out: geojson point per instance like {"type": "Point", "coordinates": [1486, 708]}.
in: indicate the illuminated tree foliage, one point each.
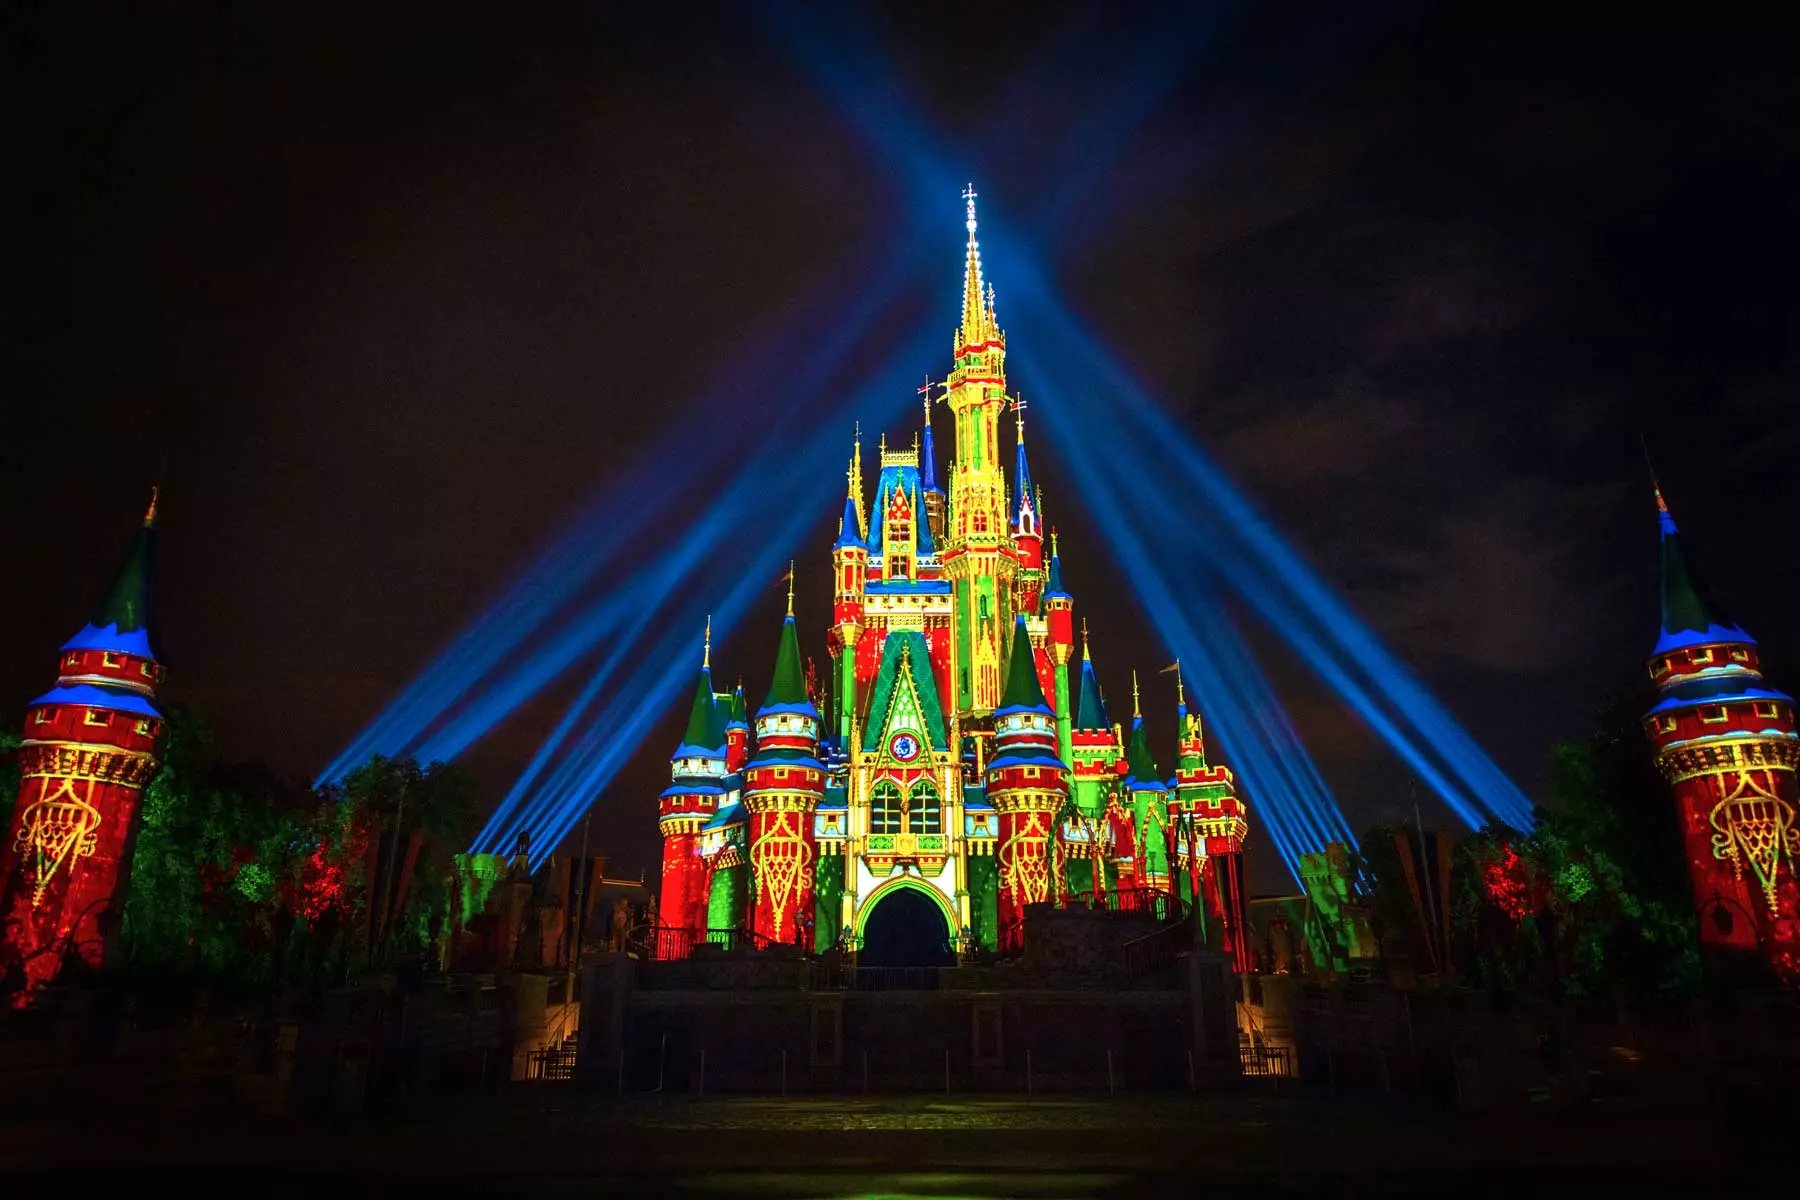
{"type": "Point", "coordinates": [242, 878]}
{"type": "Point", "coordinates": [1595, 901]}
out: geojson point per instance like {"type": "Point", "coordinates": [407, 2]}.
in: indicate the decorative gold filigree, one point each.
{"type": "Point", "coordinates": [59, 826]}
{"type": "Point", "coordinates": [1025, 860]}
{"type": "Point", "coordinates": [1752, 824]}
{"type": "Point", "coordinates": [781, 860]}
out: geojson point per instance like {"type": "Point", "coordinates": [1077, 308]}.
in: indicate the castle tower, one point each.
{"type": "Point", "coordinates": [1027, 784]}
{"type": "Point", "coordinates": [978, 555]}
{"type": "Point", "coordinates": [1726, 743]}
{"type": "Point", "coordinates": [936, 503]}
{"type": "Point", "coordinates": [850, 572]}
{"type": "Point", "coordinates": [1059, 644]}
{"type": "Point", "coordinates": [737, 733]}
{"type": "Point", "coordinates": [1208, 825]}
{"type": "Point", "coordinates": [783, 785]}
{"type": "Point", "coordinates": [691, 800]}
{"type": "Point", "coordinates": [1097, 762]}
{"type": "Point", "coordinates": [89, 749]}
{"type": "Point", "coordinates": [1027, 526]}
{"type": "Point", "coordinates": [1148, 797]}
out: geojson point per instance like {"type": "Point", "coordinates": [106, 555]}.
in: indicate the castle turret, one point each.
{"type": "Point", "coordinates": [1148, 797]}
{"type": "Point", "coordinates": [1026, 783]}
{"type": "Point", "coordinates": [89, 749]}
{"type": "Point", "coordinates": [979, 557]}
{"type": "Point", "coordinates": [1726, 742]}
{"type": "Point", "coordinates": [850, 573]}
{"type": "Point", "coordinates": [1207, 823]}
{"type": "Point", "coordinates": [1059, 645]}
{"type": "Point", "coordinates": [936, 503]}
{"type": "Point", "coordinates": [693, 797]}
{"type": "Point", "coordinates": [783, 785]}
{"type": "Point", "coordinates": [1027, 525]}
{"type": "Point", "coordinates": [737, 733]}
{"type": "Point", "coordinates": [1097, 760]}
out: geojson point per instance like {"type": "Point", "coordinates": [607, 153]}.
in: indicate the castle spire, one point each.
{"type": "Point", "coordinates": [706, 646]}
{"type": "Point", "coordinates": [977, 322]}
{"type": "Point", "coordinates": [1689, 616]}
{"type": "Point", "coordinates": [790, 583]}
{"type": "Point", "coordinates": [1137, 713]}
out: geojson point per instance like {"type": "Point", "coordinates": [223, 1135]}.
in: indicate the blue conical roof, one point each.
{"type": "Point", "coordinates": [1026, 498]}
{"type": "Point", "coordinates": [847, 526]}
{"type": "Point", "coordinates": [1054, 586]}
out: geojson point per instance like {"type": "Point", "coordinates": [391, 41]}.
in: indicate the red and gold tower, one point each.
{"type": "Point", "coordinates": [1026, 783]}
{"type": "Point", "coordinates": [89, 750]}
{"type": "Point", "coordinates": [1726, 743]}
{"type": "Point", "coordinates": [688, 803]}
{"type": "Point", "coordinates": [783, 785]}
{"type": "Point", "coordinates": [1208, 824]}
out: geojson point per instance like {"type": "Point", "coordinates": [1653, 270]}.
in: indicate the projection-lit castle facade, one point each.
{"type": "Point", "coordinates": [950, 754]}
{"type": "Point", "coordinates": [1726, 742]}
{"type": "Point", "coordinates": [88, 751]}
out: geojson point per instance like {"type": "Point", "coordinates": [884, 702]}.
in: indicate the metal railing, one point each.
{"type": "Point", "coordinates": [1265, 1061]}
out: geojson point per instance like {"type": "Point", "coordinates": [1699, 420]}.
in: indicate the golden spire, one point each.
{"type": "Point", "coordinates": [706, 647]}
{"type": "Point", "coordinates": [975, 321]}
{"type": "Point", "coordinates": [1084, 648]}
{"type": "Point", "coordinates": [856, 486]}
{"type": "Point", "coordinates": [1136, 713]}
{"type": "Point", "coordinates": [790, 611]}
{"type": "Point", "coordinates": [1180, 692]}
{"type": "Point", "coordinates": [1054, 552]}
{"type": "Point", "coordinates": [150, 513]}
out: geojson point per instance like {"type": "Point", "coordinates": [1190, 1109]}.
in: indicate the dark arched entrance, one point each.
{"type": "Point", "coordinates": [906, 928]}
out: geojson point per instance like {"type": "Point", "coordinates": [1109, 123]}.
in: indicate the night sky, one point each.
{"type": "Point", "coordinates": [379, 298]}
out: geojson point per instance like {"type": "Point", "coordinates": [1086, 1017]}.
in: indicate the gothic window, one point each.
{"type": "Point", "coordinates": [926, 813]}
{"type": "Point", "coordinates": [885, 807]}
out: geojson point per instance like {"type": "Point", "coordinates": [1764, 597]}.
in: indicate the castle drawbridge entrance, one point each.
{"type": "Point", "coordinates": [905, 927]}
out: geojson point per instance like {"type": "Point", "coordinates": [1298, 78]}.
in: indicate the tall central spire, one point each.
{"type": "Point", "coordinates": [978, 305]}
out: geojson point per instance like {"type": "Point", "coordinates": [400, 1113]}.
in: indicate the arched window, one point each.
{"type": "Point", "coordinates": [925, 813]}
{"type": "Point", "coordinates": [884, 807]}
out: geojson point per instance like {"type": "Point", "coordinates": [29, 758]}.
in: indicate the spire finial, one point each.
{"type": "Point", "coordinates": [1180, 692]}
{"type": "Point", "coordinates": [1084, 644]}
{"type": "Point", "coordinates": [790, 581]}
{"type": "Point", "coordinates": [706, 646]}
{"type": "Point", "coordinates": [1136, 711]}
{"type": "Point", "coordinates": [1664, 518]}
{"type": "Point", "coordinates": [150, 513]}
{"type": "Point", "coordinates": [974, 330]}
{"type": "Point", "coordinates": [925, 397]}
{"type": "Point", "coordinates": [1018, 411]}
{"type": "Point", "coordinates": [1054, 552]}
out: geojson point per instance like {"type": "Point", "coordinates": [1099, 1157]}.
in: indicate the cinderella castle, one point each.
{"type": "Point", "coordinates": [952, 772]}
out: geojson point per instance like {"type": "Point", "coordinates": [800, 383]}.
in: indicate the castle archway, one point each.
{"type": "Point", "coordinates": [906, 924]}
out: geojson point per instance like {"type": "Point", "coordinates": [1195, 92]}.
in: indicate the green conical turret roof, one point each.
{"type": "Point", "coordinates": [739, 714]}
{"type": "Point", "coordinates": [1689, 617]}
{"type": "Point", "coordinates": [123, 620]}
{"type": "Point", "coordinates": [1138, 761]}
{"type": "Point", "coordinates": [1022, 687]}
{"type": "Point", "coordinates": [788, 688]}
{"type": "Point", "coordinates": [705, 728]}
